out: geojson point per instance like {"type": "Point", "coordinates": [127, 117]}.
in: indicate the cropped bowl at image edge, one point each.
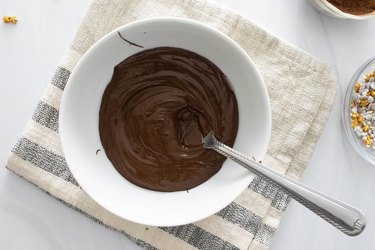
{"type": "Point", "coordinates": [330, 9]}
{"type": "Point", "coordinates": [358, 115]}
{"type": "Point", "coordinates": [79, 122]}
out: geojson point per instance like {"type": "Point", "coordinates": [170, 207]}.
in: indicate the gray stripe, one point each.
{"type": "Point", "coordinates": [265, 234]}
{"type": "Point", "coordinates": [199, 238]}
{"type": "Point", "coordinates": [242, 217]}
{"type": "Point", "coordinates": [44, 159]}
{"type": "Point", "coordinates": [47, 116]}
{"type": "Point", "coordinates": [281, 200]}
{"type": "Point", "coordinates": [60, 78]}
{"type": "Point", "coordinates": [249, 221]}
{"type": "Point", "coordinates": [270, 191]}
{"type": "Point", "coordinates": [139, 242]}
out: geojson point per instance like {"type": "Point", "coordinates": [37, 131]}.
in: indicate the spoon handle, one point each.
{"type": "Point", "coordinates": [347, 219]}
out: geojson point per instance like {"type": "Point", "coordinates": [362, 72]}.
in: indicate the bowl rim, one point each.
{"type": "Point", "coordinates": [267, 124]}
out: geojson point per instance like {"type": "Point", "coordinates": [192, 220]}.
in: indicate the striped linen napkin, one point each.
{"type": "Point", "coordinates": [251, 220]}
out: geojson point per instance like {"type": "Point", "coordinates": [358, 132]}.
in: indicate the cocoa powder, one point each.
{"type": "Point", "coordinates": [354, 7]}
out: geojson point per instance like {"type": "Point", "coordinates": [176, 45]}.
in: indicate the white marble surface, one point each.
{"type": "Point", "coordinates": [30, 52]}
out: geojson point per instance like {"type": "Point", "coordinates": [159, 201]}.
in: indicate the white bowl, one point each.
{"type": "Point", "coordinates": [329, 9]}
{"type": "Point", "coordinates": [79, 123]}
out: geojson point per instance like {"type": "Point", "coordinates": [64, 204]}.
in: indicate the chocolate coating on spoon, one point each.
{"type": "Point", "coordinates": [154, 112]}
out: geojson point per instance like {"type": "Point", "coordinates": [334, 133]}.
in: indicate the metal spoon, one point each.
{"type": "Point", "coordinates": [347, 219]}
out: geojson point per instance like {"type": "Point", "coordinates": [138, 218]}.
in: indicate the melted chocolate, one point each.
{"type": "Point", "coordinates": [154, 112]}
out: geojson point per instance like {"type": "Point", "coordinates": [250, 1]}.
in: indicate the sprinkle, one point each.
{"type": "Point", "coordinates": [365, 128]}
{"type": "Point", "coordinates": [361, 88]}
{"type": "Point", "coordinates": [10, 19]}
{"type": "Point", "coordinates": [356, 87]}
{"type": "Point", "coordinates": [369, 141]}
{"type": "Point", "coordinates": [360, 118]}
{"type": "Point", "coordinates": [363, 103]}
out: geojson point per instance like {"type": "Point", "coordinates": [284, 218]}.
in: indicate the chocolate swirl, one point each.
{"type": "Point", "coordinates": [154, 112]}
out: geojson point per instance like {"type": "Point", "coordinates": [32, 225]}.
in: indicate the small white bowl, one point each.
{"type": "Point", "coordinates": [329, 9]}
{"type": "Point", "coordinates": [79, 123]}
